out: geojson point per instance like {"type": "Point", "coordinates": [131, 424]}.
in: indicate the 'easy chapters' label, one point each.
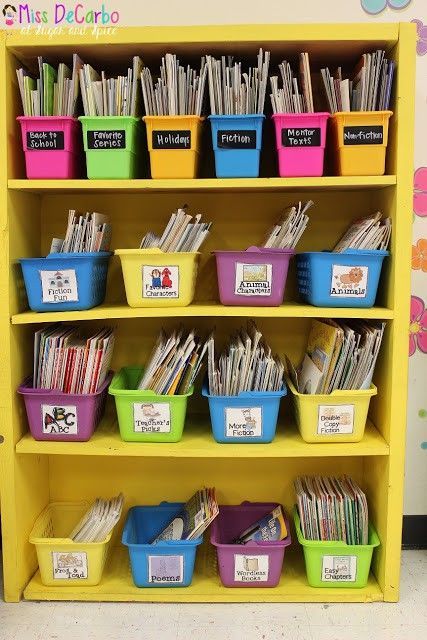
{"type": "Point", "coordinates": [363, 135]}
{"type": "Point", "coordinates": [234, 139]}
{"type": "Point", "coordinates": [339, 568]}
{"type": "Point", "coordinates": [106, 139]}
{"type": "Point", "coordinates": [301, 137]}
{"type": "Point", "coordinates": [45, 140]}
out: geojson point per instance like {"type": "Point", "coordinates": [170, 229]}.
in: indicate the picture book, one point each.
{"type": "Point", "coordinates": [195, 517]}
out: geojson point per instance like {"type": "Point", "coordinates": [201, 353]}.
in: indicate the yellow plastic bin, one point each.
{"type": "Point", "coordinates": [63, 562]}
{"type": "Point", "coordinates": [360, 142]}
{"type": "Point", "coordinates": [174, 145]}
{"type": "Point", "coordinates": [339, 416]}
{"type": "Point", "coordinates": [154, 278]}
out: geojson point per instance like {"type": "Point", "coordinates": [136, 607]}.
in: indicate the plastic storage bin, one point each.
{"type": "Point", "coordinates": [237, 141]}
{"type": "Point", "coordinates": [255, 277]}
{"type": "Point", "coordinates": [154, 278]}
{"type": "Point", "coordinates": [51, 146]}
{"type": "Point", "coordinates": [174, 145]}
{"type": "Point", "coordinates": [66, 281]}
{"type": "Point", "coordinates": [63, 562]}
{"type": "Point", "coordinates": [169, 563]}
{"type": "Point", "coordinates": [336, 564]}
{"type": "Point", "coordinates": [348, 279]}
{"type": "Point", "coordinates": [254, 564]}
{"type": "Point", "coordinates": [250, 417]}
{"type": "Point", "coordinates": [63, 417]}
{"type": "Point", "coordinates": [143, 415]}
{"type": "Point", "coordinates": [339, 416]}
{"type": "Point", "coordinates": [300, 143]}
{"type": "Point", "coordinates": [359, 140]}
{"type": "Point", "coordinates": [111, 146]}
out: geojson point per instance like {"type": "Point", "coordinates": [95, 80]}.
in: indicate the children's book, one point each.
{"type": "Point", "coordinates": [195, 517]}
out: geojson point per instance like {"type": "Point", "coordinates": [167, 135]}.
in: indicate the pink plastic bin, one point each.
{"type": "Point", "coordinates": [255, 277]}
{"type": "Point", "coordinates": [254, 564]}
{"type": "Point", "coordinates": [51, 146]}
{"type": "Point", "coordinates": [78, 419]}
{"type": "Point", "coordinates": [300, 143]}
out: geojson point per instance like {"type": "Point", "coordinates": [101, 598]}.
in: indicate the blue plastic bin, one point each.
{"type": "Point", "coordinates": [250, 417]}
{"type": "Point", "coordinates": [348, 279]}
{"type": "Point", "coordinates": [80, 278]}
{"type": "Point", "coordinates": [163, 564]}
{"type": "Point", "coordinates": [237, 141]}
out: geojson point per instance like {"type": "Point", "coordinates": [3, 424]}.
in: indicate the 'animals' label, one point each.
{"type": "Point", "coordinates": [363, 135]}
{"type": "Point", "coordinates": [301, 137]}
{"type": "Point", "coordinates": [106, 139]}
{"type": "Point", "coordinates": [335, 419]}
{"type": "Point", "coordinates": [171, 139]}
{"type": "Point", "coordinates": [45, 140]}
{"type": "Point", "coordinates": [250, 568]}
{"type": "Point", "coordinates": [151, 417]}
{"type": "Point", "coordinates": [244, 139]}
{"type": "Point", "coordinates": [166, 569]}
{"type": "Point", "coordinates": [253, 279]}
{"type": "Point", "coordinates": [160, 281]}
{"type": "Point", "coordinates": [59, 286]}
{"type": "Point", "coordinates": [243, 422]}
{"type": "Point", "coordinates": [339, 568]}
{"type": "Point", "coordinates": [348, 282]}
{"type": "Point", "coordinates": [59, 420]}
{"type": "Point", "coordinates": [69, 565]}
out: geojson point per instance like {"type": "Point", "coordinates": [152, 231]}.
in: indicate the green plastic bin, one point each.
{"type": "Point", "coordinates": [144, 416]}
{"type": "Point", "coordinates": [336, 564]}
{"type": "Point", "coordinates": [111, 144]}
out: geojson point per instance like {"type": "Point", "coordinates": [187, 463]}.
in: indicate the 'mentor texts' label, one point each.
{"type": "Point", "coordinates": [301, 137]}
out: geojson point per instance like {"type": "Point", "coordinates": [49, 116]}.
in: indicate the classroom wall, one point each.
{"type": "Point", "coordinates": [176, 12]}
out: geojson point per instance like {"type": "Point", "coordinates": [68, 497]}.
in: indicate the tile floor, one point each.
{"type": "Point", "coordinates": [380, 621]}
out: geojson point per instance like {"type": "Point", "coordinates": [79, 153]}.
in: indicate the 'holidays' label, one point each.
{"type": "Point", "coordinates": [363, 135]}
{"type": "Point", "coordinates": [69, 565]}
{"type": "Point", "coordinates": [251, 568]}
{"type": "Point", "coordinates": [253, 279]}
{"type": "Point", "coordinates": [45, 140]}
{"type": "Point", "coordinates": [339, 568]}
{"type": "Point", "coordinates": [59, 420]}
{"type": "Point", "coordinates": [233, 139]}
{"type": "Point", "coordinates": [171, 139]}
{"type": "Point", "coordinates": [59, 286]}
{"type": "Point", "coordinates": [166, 569]}
{"type": "Point", "coordinates": [301, 137]}
{"type": "Point", "coordinates": [348, 282]}
{"type": "Point", "coordinates": [151, 417]}
{"type": "Point", "coordinates": [243, 422]}
{"type": "Point", "coordinates": [160, 281]}
{"type": "Point", "coordinates": [335, 419]}
{"type": "Point", "coordinates": [106, 139]}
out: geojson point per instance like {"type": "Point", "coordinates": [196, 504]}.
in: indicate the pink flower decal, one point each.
{"type": "Point", "coordinates": [420, 191]}
{"type": "Point", "coordinates": [418, 326]}
{"type": "Point", "coordinates": [421, 37]}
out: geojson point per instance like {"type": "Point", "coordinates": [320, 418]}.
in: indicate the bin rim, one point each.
{"type": "Point", "coordinates": [61, 256]}
{"type": "Point", "coordinates": [26, 389]}
{"type": "Point", "coordinates": [347, 252]}
{"type": "Point", "coordinates": [146, 393]}
{"type": "Point", "coordinates": [243, 395]}
{"type": "Point", "coordinates": [235, 116]}
{"type": "Point", "coordinates": [110, 118]}
{"type": "Point", "coordinates": [168, 543]}
{"type": "Point", "coordinates": [337, 393]}
{"type": "Point", "coordinates": [192, 116]}
{"type": "Point", "coordinates": [373, 539]}
{"type": "Point", "coordinates": [361, 114]}
{"type": "Point", "coordinates": [307, 114]}
{"type": "Point", "coordinates": [46, 118]}
{"type": "Point", "coordinates": [264, 251]}
{"type": "Point", "coordinates": [154, 251]}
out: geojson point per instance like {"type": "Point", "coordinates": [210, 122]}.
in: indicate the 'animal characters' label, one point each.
{"type": "Point", "coordinates": [106, 140]}
{"type": "Point", "coordinates": [234, 139]}
{"type": "Point", "coordinates": [160, 281]}
{"type": "Point", "coordinates": [373, 134]}
{"type": "Point", "coordinates": [69, 565]}
{"type": "Point", "coordinates": [59, 420]}
{"type": "Point", "coordinates": [253, 279]}
{"type": "Point", "coordinates": [166, 569]}
{"type": "Point", "coordinates": [349, 282]}
{"type": "Point", "coordinates": [243, 422]}
{"type": "Point", "coordinates": [249, 568]}
{"type": "Point", "coordinates": [301, 137]}
{"type": "Point", "coordinates": [59, 286]}
{"type": "Point", "coordinates": [339, 568]}
{"type": "Point", "coordinates": [151, 417]}
{"type": "Point", "coordinates": [335, 419]}
{"type": "Point", "coordinates": [45, 140]}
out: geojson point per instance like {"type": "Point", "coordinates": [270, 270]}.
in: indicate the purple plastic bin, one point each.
{"type": "Point", "coordinates": [51, 146]}
{"type": "Point", "coordinates": [255, 277]}
{"type": "Point", "coordinates": [78, 419]}
{"type": "Point", "coordinates": [300, 143]}
{"type": "Point", "coordinates": [254, 564]}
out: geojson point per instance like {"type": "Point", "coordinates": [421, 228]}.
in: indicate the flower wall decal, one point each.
{"type": "Point", "coordinates": [377, 6]}
{"type": "Point", "coordinates": [417, 326]}
{"type": "Point", "coordinates": [419, 255]}
{"type": "Point", "coordinates": [420, 191]}
{"type": "Point", "coordinates": [421, 37]}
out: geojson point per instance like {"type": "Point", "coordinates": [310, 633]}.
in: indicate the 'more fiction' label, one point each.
{"type": "Point", "coordinates": [243, 422]}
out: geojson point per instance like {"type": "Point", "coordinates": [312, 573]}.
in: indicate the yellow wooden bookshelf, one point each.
{"type": "Point", "coordinates": [32, 474]}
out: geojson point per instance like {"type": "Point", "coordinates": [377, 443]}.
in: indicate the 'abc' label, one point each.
{"type": "Point", "coordinates": [59, 420]}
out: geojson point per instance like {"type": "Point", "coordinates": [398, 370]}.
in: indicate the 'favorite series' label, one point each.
{"type": "Point", "coordinates": [335, 419]}
{"type": "Point", "coordinates": [45, 140]}
{"type": "Point", "coordinates": [166, 569]}
{"type": "Point", "coordinates": [373, 134]}
{"type": "Point", "coordinates": [59, 286]}
{"type": "Point", "coordinates": [301, 137]}
{"type": "Point", "coordinates": [253, 279]}
{"type": "Point", "coordinates": [69, 565]}
{"type": "Point", "coordinates": [160, 281]}
{"type": "Point", "coordinates": [111, 139]}
{"type": "Point", "coordinates": [243, 422]}
{"type": "Point", "coordinates": [151, 417]}
{"type": "Point", "coordinates": [339, 568]}
{"type": "Point", "coordinates": [171, 139]}
{"type": "Point", "coordinates": [349, 282]}
{"type": "Point", "coordinates": [59, 420]}
{"type": "Point", "coordinates": [251, 568]}
{"type": "Point", "coordinates": [235, 139]}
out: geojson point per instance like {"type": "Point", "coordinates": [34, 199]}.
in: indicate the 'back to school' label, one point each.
{"type": "Point", "coordinates": [171, 139]}
{"type": "Point", "coordinates": [45, 140]}
{"type": "Point", "coordinates": [160, 281]}
{"type": "Point", "coordinates": [59, 286]}
{"type": "Point", "coordinates": [59, 420]}
{"type": "Point", "coordinates": [69, 565]}
{"type": "Point", "coordinates": [111, 139]}
{"type": "Point", "coordinates": [248, 568]}
{"type": "Point", "coordinates": [301, 137]}
{"type": "Point", "coordinates": [151, 417]}
{"type": "Point", "coordinates": [253, 279]}
{"type": "Point", "coordinates": [339, 568]}
{"type": "Point", "coordinates": [349, 282]}
{"type": "Point", "coordinates": [335, 419]}
{"type": "Point", "coordinates": [373, 134]}
{"type": "Point", "coordinates": [166, 569]}
{"type": "Point", "coordinates": [235, 139]}
{"type": "Point", "coordinates": [243, 422]}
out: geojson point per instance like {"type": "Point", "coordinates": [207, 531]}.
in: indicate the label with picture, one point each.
{"type": "Point", "coordinates": [243, 422]}
{"type": "Point", "coordinates": [349, 282]}
{"type": "Point", "coordinates": [335, 419]}
{"type": "Point", "coordinates": [69, 565]}
{"type": "Point", "coordinates": [59, 420]}
{"type": "Point", "coordinates": [339, 568]}
{"type": "Point", "coordinates": [160, 281]}
{"type": "Point", "coordinates": [59, 286]}
{"type": "Point", "coordinates": [166, 569]}
{"type": "Point", "coordinates": [151, 417]}
{"type": "Point", "coordinates": [249, 568]}
{"type": "Point", "coordinates": [253, 279]}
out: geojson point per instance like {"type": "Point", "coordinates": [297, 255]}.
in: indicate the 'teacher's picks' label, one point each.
{"type": "Point", "coordinates": [151, 417]}
{"type": "Point", "coordinates": [243, 422]}
{"type": "Point", "coordinates": [59, 420]}
{"type": "Point", "coordinates": [349, 282]}
{"type": "Point", "coordinates": [339, 568]}
{"type": "Point", "coordinates": [160, 281]}
{"type": "Point", "coordinates": [249, 568]}
{"type": "Point", "coordinates": [253, 279]}
{"type": "Point", "coordinates": [166, 569]}
{"type": "Point", "coordinates": [69, 565]}
{"type": "Point", "coordinates": [335, 419]}
{"type": "Point", "coordinates": [59, 286]}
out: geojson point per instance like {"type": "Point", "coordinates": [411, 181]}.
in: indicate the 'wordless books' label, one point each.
{"type": "Point", "coordinates": [151, 417]}
{"type": "Point", "coordinates": [335, 419]}
{"type": "Point", "coordinates": [59, 286]}
{"type": "Point", "coordinates": [348, 281]}
{"type": "Point", "coordinates": [45, 140]}
{"type": "Point", "coordinates": [301, 137]}
{"type": "Point", "coordinates": [234, 139]}
{"type": "Point", "coordinates": [253, 279]}
{"type": "Point", "coordinates": [166, 569]}
{"type": "Point", "coordinates": [59, 420]}
{"type": "Point", "coordinates": [339, 568]}
{"type": "Point", "coordinates": [243, 422]}
{"type": "Point", "coordinates": [171, 139]}
{"type": "Point", "coordinates": [69, 565]}
{"type": "Point", "coordinates": [160, 281]}
{"type": "Point", "coordinates": [249, 568]}
{"type": "Point", "coordinates": [373, 134]}
{"type": "Point", "coordinates": [105, 140]}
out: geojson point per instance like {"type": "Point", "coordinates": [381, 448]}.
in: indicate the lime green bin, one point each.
{"type": "Point", "coordinates": [144, 416]}
{"type": "Point", "coordinates": [336, 564]}
{"type": "Point", "coordinates": [111, 144]}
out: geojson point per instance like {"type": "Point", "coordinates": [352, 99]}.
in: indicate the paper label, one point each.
{"type": "Point", "coordinates": [335, 419]}
{"type": "Point", "coordinates": [349, 282]}
{"type": "Point", "coordinates": [166, 569]}
{"type": "Point", "coordinates": [151, 417]}
{"type": "Point", "coordinates": [171, 139]}
{"type": "Point", "coordinates": [248, 568]}
{"type": "Point", "coordinates": [45, 140]}
{"type": "Point", "coordinates": [243, 422]}
{"type": "Point", "coordinates": [105, 140]}
{"type": "Point", "coordinates": [160, 281]}
{"type": "Point", "coordinates": [339, 568]}
{"type": "Point", "coordinates": [301, 137]}
{"type": "Point", "coordinates": [59, 420]}
{"type": "Point", "coordinates": [69, 565]}
{"type": "Point", "coordinates": [234, 139]}
{"type": "Point", "coordinates": [253, 279]}
{"type": "Point", "coordinates": [59, 286]}
{"type": "Point", "coordinates": [373, 134]}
